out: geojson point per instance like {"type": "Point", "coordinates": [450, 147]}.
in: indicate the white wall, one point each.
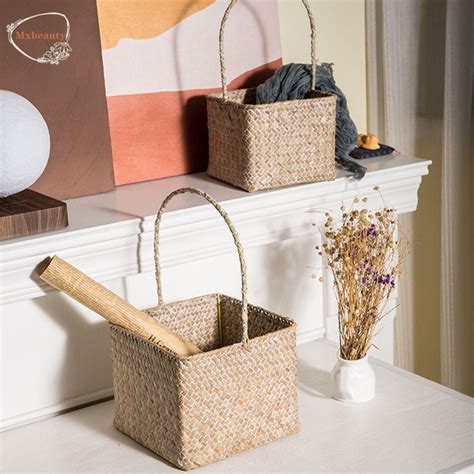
{"type": "Point", "coordinates": [340, 39]}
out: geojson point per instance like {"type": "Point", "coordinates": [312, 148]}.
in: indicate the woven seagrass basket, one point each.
{"type": "Point", "coordinates": [263, 146]}
{"type": "Point", "coordinates": [239, 393]}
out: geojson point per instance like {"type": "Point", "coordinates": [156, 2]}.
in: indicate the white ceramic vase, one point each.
{"type": "Point", "coordinates": [353, 380]}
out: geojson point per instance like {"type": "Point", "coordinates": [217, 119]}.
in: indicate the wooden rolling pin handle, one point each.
{"type": "Point", "coordinates": [63, 276]}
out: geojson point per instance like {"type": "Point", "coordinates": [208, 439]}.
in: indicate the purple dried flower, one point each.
{"type": "Point", "coordinates": [370, 231]}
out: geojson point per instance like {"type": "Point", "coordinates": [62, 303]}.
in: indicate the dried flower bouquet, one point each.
{"type": "Point", "coordinates": [364, 251]}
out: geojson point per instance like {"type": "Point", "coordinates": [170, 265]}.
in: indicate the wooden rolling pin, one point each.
{"type": "Point", "coordinates": [63, 276]}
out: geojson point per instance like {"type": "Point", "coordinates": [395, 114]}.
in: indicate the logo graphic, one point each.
{"type": "Point", "coordinates": [59, 51]}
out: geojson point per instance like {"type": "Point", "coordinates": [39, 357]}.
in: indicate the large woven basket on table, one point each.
{"type": "Point", "coordinates": [271, 145]}
{"type": "Point", "coordinates": [239, 393]}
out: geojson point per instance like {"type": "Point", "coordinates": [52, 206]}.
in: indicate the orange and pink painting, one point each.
{"type": "Point", "coordinates": [160, 60]}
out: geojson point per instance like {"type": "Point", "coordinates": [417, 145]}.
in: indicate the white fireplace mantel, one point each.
{"type": "Point", "coordinates": [54, 351]}
{"type": "Point", "coordinates": [110, 235]}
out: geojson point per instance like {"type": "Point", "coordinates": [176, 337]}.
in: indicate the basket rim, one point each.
{"type": "Point", "coordinates": [214, 352]}
{"type": "Point", "coordinates": [217, 97]}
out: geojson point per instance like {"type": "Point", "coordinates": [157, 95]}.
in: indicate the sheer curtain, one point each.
{"type": "Point", "coordinates": [420, 93]}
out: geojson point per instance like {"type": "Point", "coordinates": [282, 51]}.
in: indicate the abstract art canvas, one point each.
{"type": "Point", "coordinates": [50, 54]}
{"type": "Point", "coordinates": [160, 60]}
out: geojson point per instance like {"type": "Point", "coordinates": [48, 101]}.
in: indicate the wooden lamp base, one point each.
{"type": "Point", "coordinates": [29, 212]}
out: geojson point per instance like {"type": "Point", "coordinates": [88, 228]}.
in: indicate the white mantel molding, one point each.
{"type": "Point", "coordinates": [110, 235]}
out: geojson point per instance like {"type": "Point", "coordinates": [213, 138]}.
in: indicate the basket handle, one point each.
{"type": "Point", "coordinates": [221, 46]}
{"type": "Point", "coordinates": [240, 250]}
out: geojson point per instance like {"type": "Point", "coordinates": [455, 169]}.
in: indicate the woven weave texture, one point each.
{"type": "Point", "coordinates": [267, 146]}
{"type": "Point", "coordinates": [197, 410]}
{"type": "Point", "coordinates": [238, 393]}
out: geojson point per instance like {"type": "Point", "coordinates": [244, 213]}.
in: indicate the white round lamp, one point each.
{"type": "Point", "coordinates": [24, 143]}
{"type": "Point", "coordinates": [24, 154]}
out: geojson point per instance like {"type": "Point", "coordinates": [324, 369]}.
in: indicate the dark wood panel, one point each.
{"type": "Point", "coordinates": [29, 212]}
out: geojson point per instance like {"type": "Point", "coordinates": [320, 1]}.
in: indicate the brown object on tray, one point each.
{"type": "Point", "coordinates": [239, 394]}
{"type": "Point", "coordinates": [65, 277]}
{"type": "Point", "coordinates": [266, 146]}
{"type": "Point", "coordinates": [29, 212]}
{"type": "Point", "coordinates": [70, 95]}
{"type": "Point", "coordinates": [368, 142]}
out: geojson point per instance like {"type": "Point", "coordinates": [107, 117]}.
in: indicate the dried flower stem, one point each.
{"type": "Point", "coordinates": [364, 251]}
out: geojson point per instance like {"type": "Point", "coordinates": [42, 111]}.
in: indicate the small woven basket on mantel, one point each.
{"type": "Point", "coordinates": [263, 146]}
{"type": "Point", "coordinates": [239, 393]}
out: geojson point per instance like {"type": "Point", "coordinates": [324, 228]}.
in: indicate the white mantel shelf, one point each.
{"type": "Point", "coordinates": [413, 425]}
{"type": "Point", "coordinates": [110, 235]}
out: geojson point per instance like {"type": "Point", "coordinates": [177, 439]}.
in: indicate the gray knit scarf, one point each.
{"type": "Point", "coordinates": [292, 81]}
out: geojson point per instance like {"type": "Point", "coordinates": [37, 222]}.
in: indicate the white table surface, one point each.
{"type": "Point", "coordinates": [412, 425]}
